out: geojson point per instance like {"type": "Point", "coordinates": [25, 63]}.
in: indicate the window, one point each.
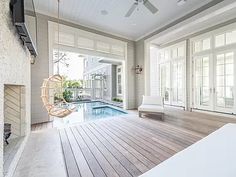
{"type": "Point", "coordinates": [220, 40]}
{"type": "Point", "coordinates": [85, 63]}
{"type": "Point", "coordinates": [119, 80]}
{"type": "Point", "coordinates": [171, 63]}
{"type": "Point", "coordinates": [206, 44]}
{"type": "Point", "coordinates": [103, 47]}
{"type": "Point", "coordinates": [202, 45]}
{"type": "Point", "coordinates": [226, 38]}
{"type": "Point", "coordinates": [197, 47]}
{"type": "Point", "coordinates": [213, 70]}
{"type": "Point", "coordinates": [180, 51]}
{"type": "Point", "coordinates": [65, 38]}
{"type": "Point", "coordinates": [85, 43]}
{"type": "Point", "coordinates": [225, 79]}
{"type": "Point", "coordinates": [174, 53]}
{"type": "Point", "coordinates": [117, 49]}
{"type": "Point", "coordinates": [231, 37]}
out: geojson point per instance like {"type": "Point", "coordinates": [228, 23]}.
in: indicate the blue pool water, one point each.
{"type": "Point", "coordinates": [87, 111]}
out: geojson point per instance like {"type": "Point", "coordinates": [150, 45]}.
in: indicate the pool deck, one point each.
{"type": "Point", "coordinates": [121, 146]}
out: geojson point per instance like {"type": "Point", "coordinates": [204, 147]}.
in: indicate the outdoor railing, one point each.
{"type": "Point", "coordinates": [86, 93]}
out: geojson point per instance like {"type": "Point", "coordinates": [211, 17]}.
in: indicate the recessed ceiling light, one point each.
{"type": "Point", "coordinates": [181, 2]}
{"type": "Point", "coordinates": [104, 12]}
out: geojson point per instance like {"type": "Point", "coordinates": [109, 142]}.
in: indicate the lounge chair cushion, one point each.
{"type": "Point", "coordinates": [151, 108]}
{"type": "Point", "coordinates": [152, 100]}
{"type": "Point", "coordinates": [213, 156]}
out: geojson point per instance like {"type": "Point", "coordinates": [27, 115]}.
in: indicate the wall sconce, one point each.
{"type": "Point", "coordinates": [32, 60]}
{"type": "Point", "coordinates": [138, 69]}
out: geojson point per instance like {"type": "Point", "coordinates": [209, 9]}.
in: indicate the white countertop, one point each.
{"type": "Point", "coordinates": [213, 156]}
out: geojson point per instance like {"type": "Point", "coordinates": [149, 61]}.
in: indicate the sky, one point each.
{"type": "Point", "coordinates": [75, 69]}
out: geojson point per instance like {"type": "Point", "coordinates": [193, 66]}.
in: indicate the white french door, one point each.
{"type": "Point", "coordinates": [171, 72]}
{"type": "Point", "coordinates": [171, 82]}
{"type": "Point", "coordinates": [214, 82]}
{"type": "Point", "coordinates": [224, 81]}
{"type": "Point", "coordinates": [165, 82]}
{"type": "Point", "coordinates": [203, 82]}
{"type": "Point", "coordinates": [177, 87]}
{"type": "Point", "coordinates": [214, 65]}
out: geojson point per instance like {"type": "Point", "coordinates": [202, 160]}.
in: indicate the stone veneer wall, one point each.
{"type": "Point", "coordinates": [14, 67]}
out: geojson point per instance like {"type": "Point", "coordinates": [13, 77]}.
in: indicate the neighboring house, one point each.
{"type": "Point", "coordinates": [102, 80]}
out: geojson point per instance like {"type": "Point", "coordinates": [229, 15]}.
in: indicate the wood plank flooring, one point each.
{"type": "Point", "coordinates": [41, 126]}
{"type": "Point", "coordinates": [123, 147]}
{"type": "Point", "coordinates": [129, 146]}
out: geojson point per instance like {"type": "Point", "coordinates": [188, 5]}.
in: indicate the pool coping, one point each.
{"type": "Point", "coordinates": [112, 107]}
{"type": "Point", "coordinates": [105, 105]}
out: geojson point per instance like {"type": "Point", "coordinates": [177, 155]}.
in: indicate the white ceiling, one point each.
{"type": "Point", "coordinates": [218, 16]}
{"type": "Point", "coordinates": [88, 13]}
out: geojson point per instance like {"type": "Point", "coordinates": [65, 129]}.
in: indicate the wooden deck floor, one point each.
{"type": "Point", "coordinates": [41, 126]}
{"type": "Point", "coordinates": [121, 146]}
{"type": "Point", "coordinates": [129, 146]}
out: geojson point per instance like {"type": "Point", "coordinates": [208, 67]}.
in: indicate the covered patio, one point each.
{"type": "Point", "coordinates": [119, 146]}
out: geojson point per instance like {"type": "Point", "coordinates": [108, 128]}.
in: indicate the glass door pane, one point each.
{"type": "Point", "coordinates": [177, 83]}
{"type": "Point", "coordinates": [202, 82]}
{"type": "Point", "coordinates": [224, 87]}
{"type": "Point", "coordinates": [165, 81]}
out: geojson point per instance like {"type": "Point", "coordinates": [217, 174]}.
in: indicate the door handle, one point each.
{"type": "Point", "coordinates": [210, 90]}
{"type": "Point", "coordinates": [214, 90]}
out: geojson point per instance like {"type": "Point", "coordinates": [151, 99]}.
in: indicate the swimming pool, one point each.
{"type": "Point", "coordinates": [87, 111]}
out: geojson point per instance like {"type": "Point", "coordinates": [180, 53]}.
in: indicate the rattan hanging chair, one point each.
{"type": "Point", "coordinates": [53, 86]}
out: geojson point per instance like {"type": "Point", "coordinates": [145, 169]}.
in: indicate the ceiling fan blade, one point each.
{"type": "Point", "coordinates": [150, 6]}
{"type": "Point", "coordinates": [131, 10]}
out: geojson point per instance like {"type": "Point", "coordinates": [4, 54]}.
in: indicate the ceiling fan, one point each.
{"type": "Point", "coordinates": [146, 3]}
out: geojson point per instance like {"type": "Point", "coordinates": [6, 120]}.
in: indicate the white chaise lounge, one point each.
{"type": "Point", "coordinates": [152, 105]}
{"type": "Point", "coordinates": [213, 156]}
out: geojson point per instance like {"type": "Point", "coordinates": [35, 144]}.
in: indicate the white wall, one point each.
{"type": "Point", "coordinates": [14, 67]}
{"type": "Point", "coordinates": [131, 76]}
{"type": "Point", "coordinates": [39, 72]}
{"type": "Point", "coordinates": [140, 78]}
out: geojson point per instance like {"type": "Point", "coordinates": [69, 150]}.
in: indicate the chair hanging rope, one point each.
{"type": "Point", "coordinates": [51, 87]}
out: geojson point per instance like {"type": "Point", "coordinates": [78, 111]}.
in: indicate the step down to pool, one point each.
{"type": "Point", "coordinates": [102, 106]}
{"type": "Point", "coordinates": [109, 106]}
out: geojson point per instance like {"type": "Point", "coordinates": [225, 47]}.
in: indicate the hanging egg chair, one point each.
{"type": "Point", "coordinates": [53, 86]}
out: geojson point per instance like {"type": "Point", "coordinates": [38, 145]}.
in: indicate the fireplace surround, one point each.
{"type": "Point", "coordinates": [14, 122]}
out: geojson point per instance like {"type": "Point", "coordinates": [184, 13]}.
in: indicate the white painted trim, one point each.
{"type": "Point", "coordinates": [125, 81]}
{"type": "Point", "coordinates": [95, 38]}
{"type": "Point", "coordinates": [88, 52]}
{"type": "Point", "coordinates": [207, 15]}
{"type": "Point", "coordinates": [147, 68]}
{"type": "Point", "coordinates": [123, 59]}
{"type": "Point", "coordinates": [122, 84]}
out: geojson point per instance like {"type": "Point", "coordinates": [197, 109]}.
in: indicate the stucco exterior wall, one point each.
{"type": "Point", "coordinates": [14, 67]}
